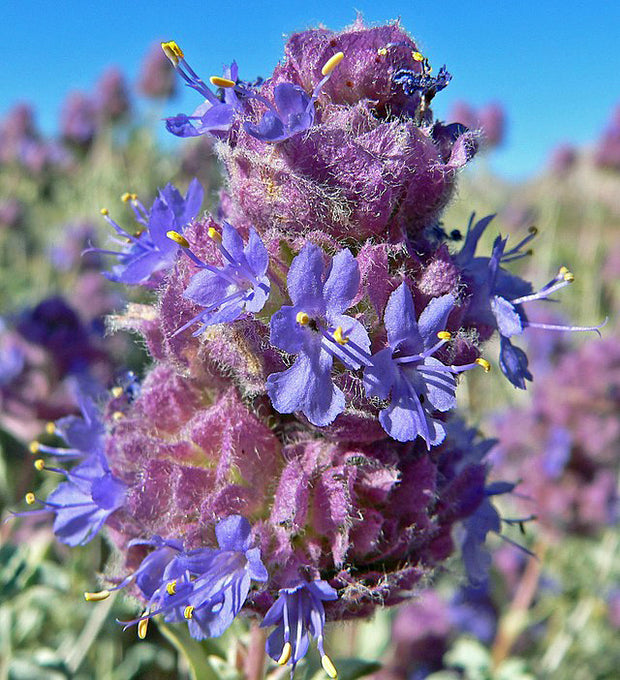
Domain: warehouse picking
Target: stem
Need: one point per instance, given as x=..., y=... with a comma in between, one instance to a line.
x=513, y=621
x=255, y=659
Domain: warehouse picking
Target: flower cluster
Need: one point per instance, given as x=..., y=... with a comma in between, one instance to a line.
x=290, y=451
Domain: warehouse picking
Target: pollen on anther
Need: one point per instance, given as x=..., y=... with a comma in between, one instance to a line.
x=118, y=415
x=382, y=51
x=34, y=446
x=331, y=63
x=30, y=498
x=97, y=597
x=286, y=654
x=444, y=335
x=172, y=51
x=104, y=212
x=417, y=56
x=178, y=238
x=215, y=235
x=338, y=336
x=218, y=81
x=117, y=391
x=328, y=667
x=171, y=587
x=39, y=464
x=126, y=197
x=484, y=363
x=302, y=318
x=142, y=628
x=50, y=428
x=188, y=612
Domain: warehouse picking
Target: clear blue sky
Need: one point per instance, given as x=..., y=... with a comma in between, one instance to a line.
x=553, y=64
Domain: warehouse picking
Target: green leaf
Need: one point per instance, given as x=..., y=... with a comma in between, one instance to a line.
x=194, y=652
x=350, y=669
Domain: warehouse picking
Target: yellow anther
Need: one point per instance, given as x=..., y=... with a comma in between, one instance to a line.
x=331, y=63
x=142, y=628
x=172, y=51
x=567, y=275
x=218, y=81
x=30, y=498
x=171, y=587
x=39, y=464
x=97, y=597
x=484, y=363
x=339, y=338
x=286, y=654
x=444, y=335
x=50, y=427
x=104, y=211
x=34, y=446
x=188, y=612
x=303, y=319
x=329, y=667
x=382, y=51
x=118, y=415
x=117, y=392
x=178, y=239
x=417, y=56
x=215, y=235
x=126, y=197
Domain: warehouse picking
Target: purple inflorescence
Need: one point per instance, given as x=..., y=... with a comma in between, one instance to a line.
x=290, y=451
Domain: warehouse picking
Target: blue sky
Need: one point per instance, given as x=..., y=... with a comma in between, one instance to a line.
x=553, y=64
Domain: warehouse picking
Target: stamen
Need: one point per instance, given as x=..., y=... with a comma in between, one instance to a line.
x=118, y=415
x=142, y=628
x=178, y=239
x=218, y=81
x=117, y=391
x=104, y=211
x=484, y=363
x=286, y=654
x=97, y=597
x=331, y=63
x=39, y=464
x=30, y=498
x=215, y=235
x=126, y=197
x=173, y=52
x=339, y=338
x=417, y=56
x=329, y=667
x=303, y=319
x=382, y=52
x=444, y=335
x=50, y=427
x=34, y=447
x=171, y=587
x=567, y=275
x=189, y=611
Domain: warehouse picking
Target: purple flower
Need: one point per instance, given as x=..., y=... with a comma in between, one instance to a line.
x=298, y=614
x=214, y=115
x=293, y=111
x=150, y=251
x=84, y=502
x=406, y=372
x=486, y=518
x=84, y=434
x=241, y=285
x=206, y=587
x=316, y=329
x=91, y=493
x=498, y=297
